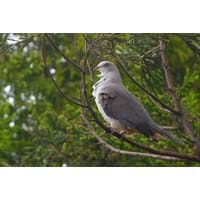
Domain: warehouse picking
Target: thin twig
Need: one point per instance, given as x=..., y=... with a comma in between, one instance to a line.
x=172, y=91
x=146, y=91
x=61, y=53
x=55, y=83
x=172, y=128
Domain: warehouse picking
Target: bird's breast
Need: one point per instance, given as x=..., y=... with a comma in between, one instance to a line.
x=115, y=124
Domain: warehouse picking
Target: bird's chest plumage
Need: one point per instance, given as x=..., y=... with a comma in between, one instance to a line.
x=115, y=124
x=97, y=88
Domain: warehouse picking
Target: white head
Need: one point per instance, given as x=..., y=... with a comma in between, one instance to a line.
x=109, y=71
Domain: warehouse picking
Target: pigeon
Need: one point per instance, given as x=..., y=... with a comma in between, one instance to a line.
x=121, y=109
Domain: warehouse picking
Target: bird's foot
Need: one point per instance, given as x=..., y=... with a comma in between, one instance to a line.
x=156, y=137
x=110, y=130
x=122, y=133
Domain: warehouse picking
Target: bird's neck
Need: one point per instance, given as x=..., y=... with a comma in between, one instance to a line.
x=112, y=77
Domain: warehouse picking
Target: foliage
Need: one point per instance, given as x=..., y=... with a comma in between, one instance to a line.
x=40, y=128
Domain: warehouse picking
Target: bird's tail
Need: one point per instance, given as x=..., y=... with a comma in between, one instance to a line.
x=167, y=135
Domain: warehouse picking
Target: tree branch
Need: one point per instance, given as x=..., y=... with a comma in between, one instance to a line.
x=61, y=53
x=123, y=152
x=55, y=83
x=172, y=91
x=164, y=106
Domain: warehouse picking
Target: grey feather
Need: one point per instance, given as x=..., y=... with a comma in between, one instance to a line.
x=123, y=106
x=119, y=104
x=116, y=103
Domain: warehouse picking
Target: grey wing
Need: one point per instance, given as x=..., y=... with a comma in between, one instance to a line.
x=123, y=106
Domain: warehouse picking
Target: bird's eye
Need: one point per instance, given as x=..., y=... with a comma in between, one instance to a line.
x=106, y=65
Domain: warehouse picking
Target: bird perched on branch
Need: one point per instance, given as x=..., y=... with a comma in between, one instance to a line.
x=120, y=108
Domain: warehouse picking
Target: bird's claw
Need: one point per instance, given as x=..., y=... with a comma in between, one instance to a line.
x=111, y=130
